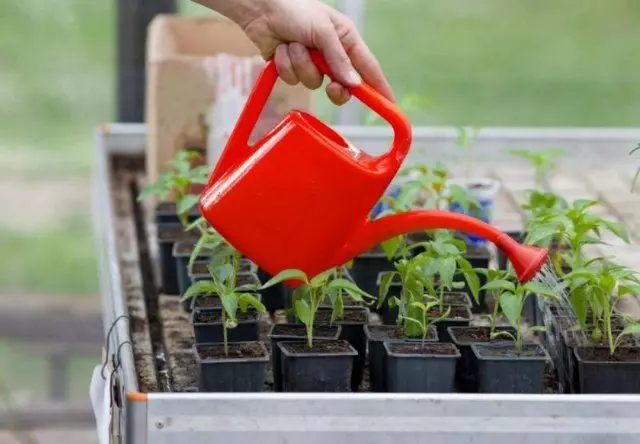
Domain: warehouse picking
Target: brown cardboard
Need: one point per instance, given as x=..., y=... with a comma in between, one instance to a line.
x=179, y=89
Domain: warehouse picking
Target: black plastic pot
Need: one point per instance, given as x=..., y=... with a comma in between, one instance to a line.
x=460, y=316
x=599, y=372
x=294, y=332
x=376, y=336
x=501, y=370
x=275, y=297
x=467, y=370
x=366, y=268
x=389, y=315
x=352, y=330
x=168, y=235
x=166, y=213
x=324, y=368
x=199, y=272
x=182, y=253
x=242, y=278
x=421, y=367
x=207, y=327
x=241, y=371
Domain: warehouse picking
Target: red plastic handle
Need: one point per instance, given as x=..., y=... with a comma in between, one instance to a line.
x=239, y=138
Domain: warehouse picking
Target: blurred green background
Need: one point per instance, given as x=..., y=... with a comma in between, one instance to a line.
x=488, y=62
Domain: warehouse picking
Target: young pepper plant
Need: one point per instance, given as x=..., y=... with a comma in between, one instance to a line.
x=543, y=162
x=512, y=297
x=312, y=293
x=177, y=182
x=494, y=274
x=423, y=309
x=599, y=287
x=223, y=284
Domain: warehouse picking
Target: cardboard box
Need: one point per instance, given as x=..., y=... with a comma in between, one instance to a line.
x=180, y=84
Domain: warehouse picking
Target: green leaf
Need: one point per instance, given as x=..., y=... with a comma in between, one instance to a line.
x=286, y=275
x=537, y=328
x=230, y=304
x=391, y=246
x=499, y=284
x=631, y=330
x=540, y=289
x=221, y=272
x=394, y=302
x=337, y=304
x=579, y=303
x=344, y=284
x=470, y=276
x=304, y=312
x=385, y=283
x=447, y=270
x=322, y=278
x=200, y=287
x=541, y=233
x=510, y=306
x=245, y=300
x=184, y=204
x=618, y=229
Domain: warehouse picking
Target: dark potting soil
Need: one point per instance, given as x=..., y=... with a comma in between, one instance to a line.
x=177, y=233
x=207, y=302
x=349, y=316
x=476, y=334
x=235, y=351
x=215, y=317
x=319, y=331
x=602, y=354
x=383, y=332
x=137, y=324
x=183, y=375
x=511, y=352
x=423, y=348
x=318, y=347
x=457, y=312
x=456, y=298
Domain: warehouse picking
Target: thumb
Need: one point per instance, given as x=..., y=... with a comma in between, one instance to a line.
x=336, y=57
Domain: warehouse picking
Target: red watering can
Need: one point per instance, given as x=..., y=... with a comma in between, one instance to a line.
x=300, y=197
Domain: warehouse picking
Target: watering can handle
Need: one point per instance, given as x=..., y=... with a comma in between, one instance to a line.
x=239, y=138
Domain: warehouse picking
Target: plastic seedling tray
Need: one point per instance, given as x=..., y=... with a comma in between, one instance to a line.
x=163, y=417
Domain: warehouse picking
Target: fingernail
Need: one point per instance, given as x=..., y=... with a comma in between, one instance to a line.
x=354, y=78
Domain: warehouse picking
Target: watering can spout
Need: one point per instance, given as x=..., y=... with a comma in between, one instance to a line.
x=527, y=260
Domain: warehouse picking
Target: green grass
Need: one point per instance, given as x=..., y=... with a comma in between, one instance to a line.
x=56, y=260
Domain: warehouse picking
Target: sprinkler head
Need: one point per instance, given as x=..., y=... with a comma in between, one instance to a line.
x=527, y=260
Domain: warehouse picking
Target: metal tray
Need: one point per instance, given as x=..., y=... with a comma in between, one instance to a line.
x=268, y=418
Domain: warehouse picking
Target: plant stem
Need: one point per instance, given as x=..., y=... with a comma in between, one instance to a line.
x=224, y=333
x=494, y=317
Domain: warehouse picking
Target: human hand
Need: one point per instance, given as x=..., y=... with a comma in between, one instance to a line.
x=285, y=29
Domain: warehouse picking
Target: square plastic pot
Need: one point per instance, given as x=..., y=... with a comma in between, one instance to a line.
x=315, y=371
x=501, y=371
x=231, y=374
x=247, y=330
x=276, y=297
x=597, y=375
x=376, y=336
x=366, y=268
x=294, y=332
x=168, y=235
x=415, y=371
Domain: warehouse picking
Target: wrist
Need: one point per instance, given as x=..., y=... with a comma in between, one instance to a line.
x=242, y=12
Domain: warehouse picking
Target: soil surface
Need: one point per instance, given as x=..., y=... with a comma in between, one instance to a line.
x=585, y=338
x=207, y=302
x=456, y=299
x=423, y=348
x=299, y=331
x=235, y=351
x=476, y=334
x=327, y=347
x=603, y=354
x=511, y=352
x=183, y=372
x=215, y=317
x=176, y=233
x=350, y=316
x=457, y=312
x=384, y=332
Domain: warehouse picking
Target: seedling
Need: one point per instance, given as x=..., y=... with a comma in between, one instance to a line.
x=424, y=322
x=600, y=286
x=635, y=177
x=312, y=293
x=494, y=274
x=223, y=284
x=512, y=297
x=464, y=141
x=543, y=162
x=177, y=182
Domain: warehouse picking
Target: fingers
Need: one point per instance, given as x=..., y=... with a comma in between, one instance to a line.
x=337, y=93
x=284, y=65
x=294, y=65
x=336, y=57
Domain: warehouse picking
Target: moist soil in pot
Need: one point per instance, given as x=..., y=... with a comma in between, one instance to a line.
x=463, y=337
x=352, y=322
x=501, y=369
x=460, y=316
x=207, y=327
x=288, y=332
x=324, y=367
x=600, y=372
x=376, y=336
x=421, y=367
x=241, y=370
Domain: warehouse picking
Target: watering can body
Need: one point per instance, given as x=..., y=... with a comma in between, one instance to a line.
x=300, y=197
